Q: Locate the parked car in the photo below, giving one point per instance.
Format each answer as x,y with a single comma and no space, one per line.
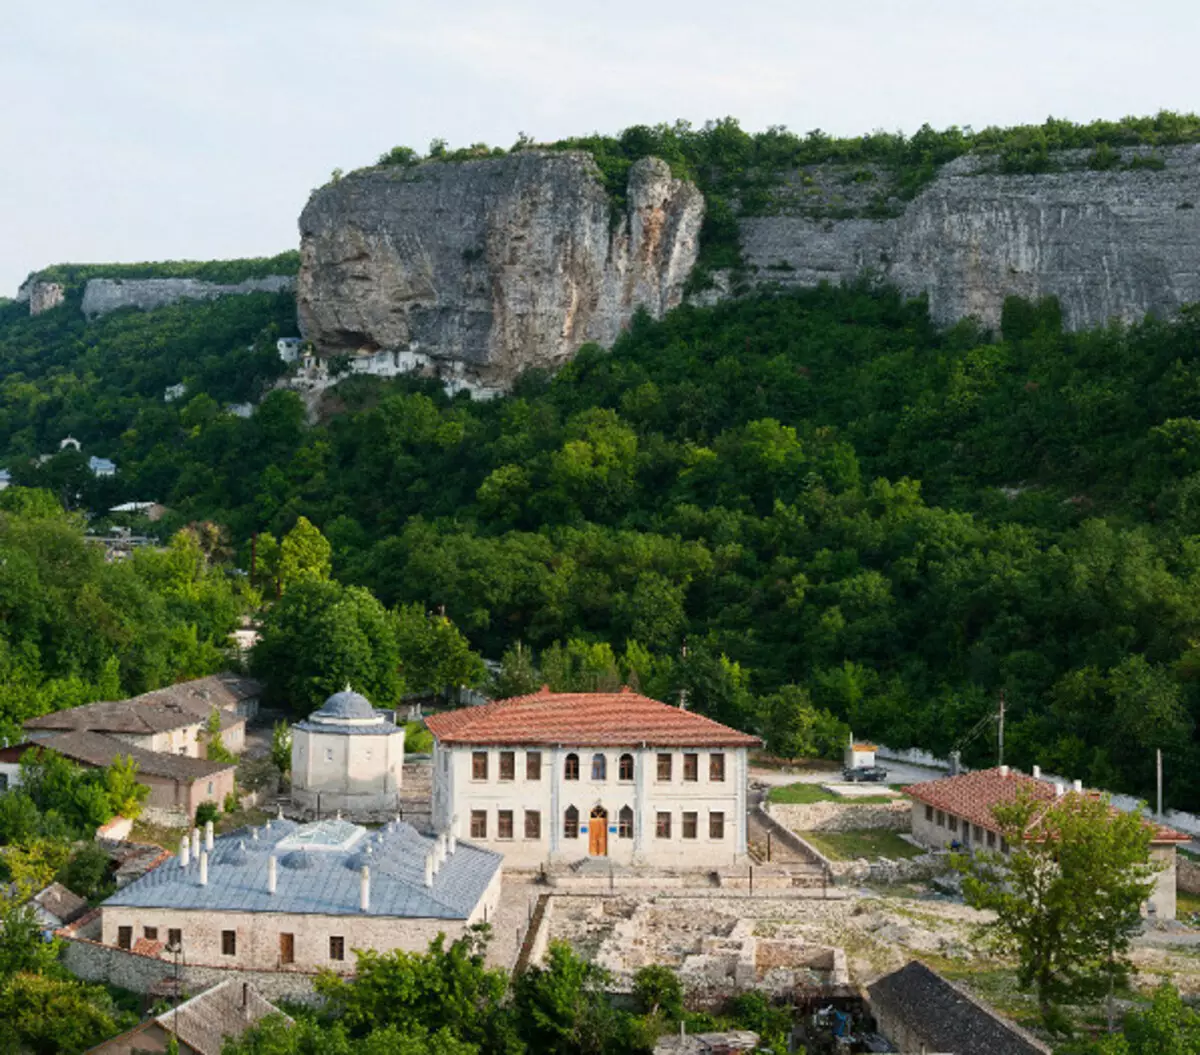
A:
864,774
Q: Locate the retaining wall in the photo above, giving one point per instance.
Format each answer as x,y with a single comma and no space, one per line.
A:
841,817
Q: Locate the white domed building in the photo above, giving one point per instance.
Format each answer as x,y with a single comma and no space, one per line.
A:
347,756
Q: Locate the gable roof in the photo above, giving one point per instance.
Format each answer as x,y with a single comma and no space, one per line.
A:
96,749
323,879
584,719
173,707
226,1010
946,1018
973,796
60,902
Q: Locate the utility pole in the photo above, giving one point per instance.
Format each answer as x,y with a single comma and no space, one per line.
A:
1158,765
683,691
1000,746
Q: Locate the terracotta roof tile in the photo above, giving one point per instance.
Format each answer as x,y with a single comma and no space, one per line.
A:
972,797
585,719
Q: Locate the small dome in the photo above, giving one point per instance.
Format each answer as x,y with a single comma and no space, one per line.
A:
297,860
346,704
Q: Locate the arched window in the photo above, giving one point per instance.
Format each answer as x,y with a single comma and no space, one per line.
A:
599,767
571,767
625,823
625,768
571,823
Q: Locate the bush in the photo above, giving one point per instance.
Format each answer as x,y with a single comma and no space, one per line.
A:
232,805
205,812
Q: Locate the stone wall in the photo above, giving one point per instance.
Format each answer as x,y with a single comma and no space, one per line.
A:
104,295
1187,874
491,266
1115,244
841,817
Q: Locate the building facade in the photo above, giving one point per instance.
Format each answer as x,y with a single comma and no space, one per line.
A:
559,777
304,897
955,813
347,756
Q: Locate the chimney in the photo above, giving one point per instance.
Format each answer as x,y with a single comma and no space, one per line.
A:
451,842
364,890
1079,787
441,849
208,836
254,834
1058,790
196,843
429,868
271,866
1037,772
204,868
267,826
1004,771
185,857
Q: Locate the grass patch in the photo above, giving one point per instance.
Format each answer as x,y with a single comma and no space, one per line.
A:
1186,904
145,832
867,842
804,794
417,739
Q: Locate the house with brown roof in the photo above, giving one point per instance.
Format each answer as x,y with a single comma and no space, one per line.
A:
958,813
171,720
563,777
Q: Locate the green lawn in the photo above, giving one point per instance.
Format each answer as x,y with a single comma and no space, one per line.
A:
1186,904
803,794
867,842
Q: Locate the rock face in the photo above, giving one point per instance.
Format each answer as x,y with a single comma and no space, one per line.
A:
1114,244
41,295
102,295
492,266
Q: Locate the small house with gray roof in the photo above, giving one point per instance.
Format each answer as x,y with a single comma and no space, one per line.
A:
347,756
294,897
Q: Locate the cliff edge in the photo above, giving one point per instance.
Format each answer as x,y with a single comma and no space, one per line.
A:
485,268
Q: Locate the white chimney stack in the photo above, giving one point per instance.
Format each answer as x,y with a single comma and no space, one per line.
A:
271,874
1037,772
1004,771
204,869
441,849
1079,786
196,843
185,856
429,868
254,834
208,836
451,842
1059,790
364,892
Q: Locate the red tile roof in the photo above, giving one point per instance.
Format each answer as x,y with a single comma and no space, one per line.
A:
972,796
584,719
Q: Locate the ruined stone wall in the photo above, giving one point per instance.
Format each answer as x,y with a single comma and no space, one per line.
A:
841,817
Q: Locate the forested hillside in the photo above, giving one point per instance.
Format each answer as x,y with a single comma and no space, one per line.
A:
818,489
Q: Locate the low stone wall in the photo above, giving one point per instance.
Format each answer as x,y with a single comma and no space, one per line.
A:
842,817
1187,875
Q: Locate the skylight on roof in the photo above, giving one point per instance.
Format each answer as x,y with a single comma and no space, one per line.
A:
322,835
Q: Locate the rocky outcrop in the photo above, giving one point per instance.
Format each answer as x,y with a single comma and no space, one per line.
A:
41,295
103,295
489,267
1109,244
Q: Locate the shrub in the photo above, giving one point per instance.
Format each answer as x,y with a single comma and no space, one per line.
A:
205,812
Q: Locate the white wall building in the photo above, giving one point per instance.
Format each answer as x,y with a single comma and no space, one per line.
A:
288,348
347,756
558,777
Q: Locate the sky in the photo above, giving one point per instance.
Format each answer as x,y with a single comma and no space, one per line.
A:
141,130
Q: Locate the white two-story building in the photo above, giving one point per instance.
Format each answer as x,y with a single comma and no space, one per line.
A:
557,777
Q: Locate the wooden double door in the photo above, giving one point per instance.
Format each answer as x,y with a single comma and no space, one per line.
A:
598,832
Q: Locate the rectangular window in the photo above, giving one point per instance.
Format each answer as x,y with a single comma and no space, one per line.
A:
124,937
716,768
287,948
479,765
337,947
210,787
175,938
716,826
929,814
664,768
329,754
533,765
504,824
533,824
229,943
479,824
941,819
508,765
953,825
691,768
150,933
978,836
991,840
662,826
689,825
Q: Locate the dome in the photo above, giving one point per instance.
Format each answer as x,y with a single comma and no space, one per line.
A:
346,704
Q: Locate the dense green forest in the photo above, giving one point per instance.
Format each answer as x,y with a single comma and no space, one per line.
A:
819,491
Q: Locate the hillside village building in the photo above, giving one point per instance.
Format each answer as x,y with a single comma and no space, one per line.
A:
561,777
294,897
347,756
956,812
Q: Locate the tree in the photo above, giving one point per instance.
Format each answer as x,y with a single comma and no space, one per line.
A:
215,750
304,554
794,728
126,795
518,676
88,873
434,654
657,990
49,1015
1068,896
281,747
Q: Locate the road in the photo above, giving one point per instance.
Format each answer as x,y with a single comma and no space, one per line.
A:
898,773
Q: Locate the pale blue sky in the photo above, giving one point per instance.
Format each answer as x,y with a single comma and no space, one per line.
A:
144,129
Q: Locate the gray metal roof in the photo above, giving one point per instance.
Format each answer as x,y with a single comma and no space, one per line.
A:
346,704
384,728
322,881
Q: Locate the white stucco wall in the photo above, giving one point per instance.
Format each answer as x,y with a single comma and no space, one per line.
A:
456,794
349,771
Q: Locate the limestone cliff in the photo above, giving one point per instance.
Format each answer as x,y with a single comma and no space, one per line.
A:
102,295
489,267
1111,244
